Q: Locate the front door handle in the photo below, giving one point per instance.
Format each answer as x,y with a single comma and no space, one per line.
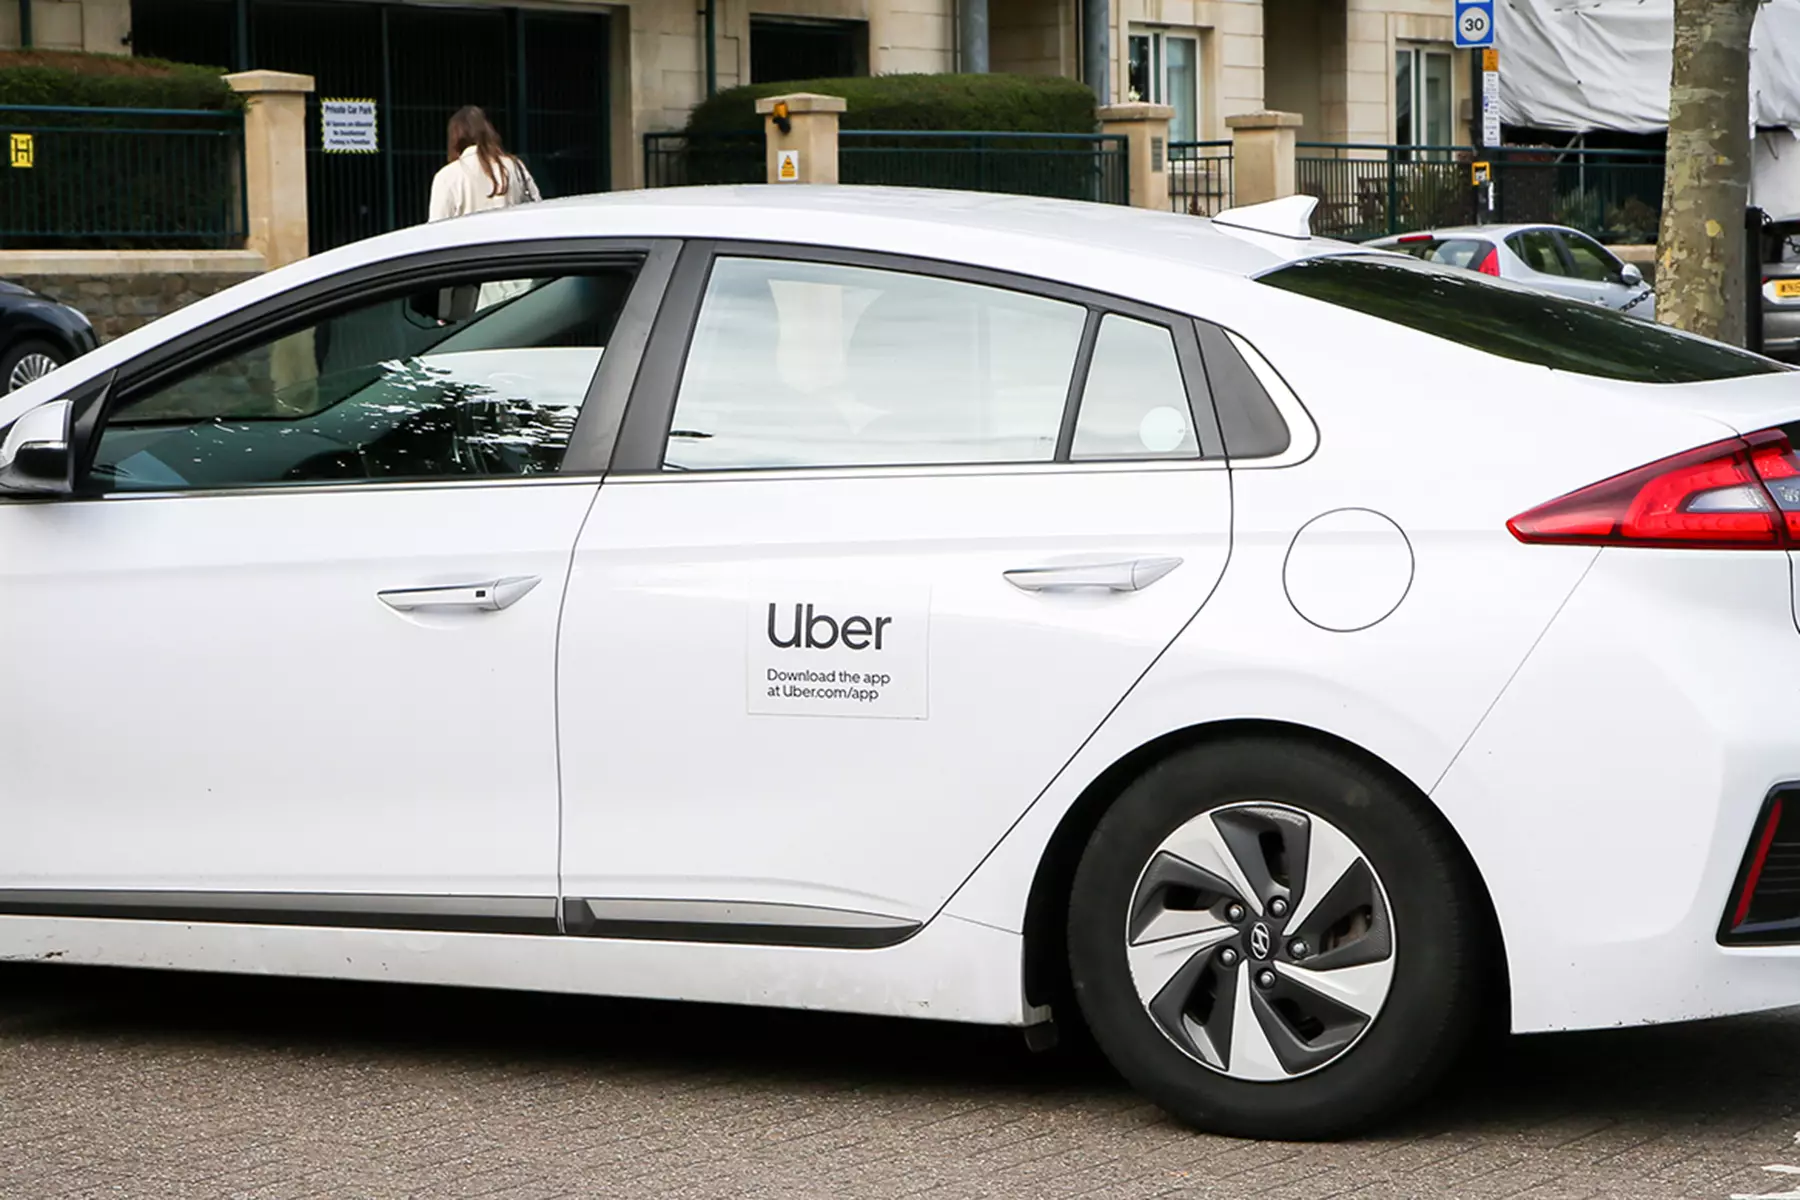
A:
1130,575
491,596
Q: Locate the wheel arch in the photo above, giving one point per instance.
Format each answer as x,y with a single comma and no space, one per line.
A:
1045,933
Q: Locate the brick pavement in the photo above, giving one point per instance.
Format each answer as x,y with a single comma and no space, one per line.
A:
119,1084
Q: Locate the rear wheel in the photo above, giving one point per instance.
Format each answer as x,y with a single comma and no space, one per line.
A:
1271,939
26,362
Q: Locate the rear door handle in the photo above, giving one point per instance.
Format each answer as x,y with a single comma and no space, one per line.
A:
1130,575
491,596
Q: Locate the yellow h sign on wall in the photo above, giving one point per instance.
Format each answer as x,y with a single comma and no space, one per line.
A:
24,150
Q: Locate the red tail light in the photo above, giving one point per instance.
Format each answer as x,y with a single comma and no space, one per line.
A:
1491,264
1739,494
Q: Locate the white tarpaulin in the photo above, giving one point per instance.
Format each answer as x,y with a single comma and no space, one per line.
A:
1604,64
1581,65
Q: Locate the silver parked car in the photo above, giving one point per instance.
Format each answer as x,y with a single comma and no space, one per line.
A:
1553,258
1781,288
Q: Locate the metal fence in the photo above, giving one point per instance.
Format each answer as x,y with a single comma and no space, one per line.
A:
679,160
1368,191
1071,166
122,178
1199,177
1612,195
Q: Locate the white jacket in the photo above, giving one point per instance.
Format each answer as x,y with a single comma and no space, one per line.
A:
462,187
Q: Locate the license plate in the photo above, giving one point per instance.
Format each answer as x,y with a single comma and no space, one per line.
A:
1787,289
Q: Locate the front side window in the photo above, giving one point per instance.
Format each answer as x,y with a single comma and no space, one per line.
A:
471,378
1537,247
797,364
1514,322
1590,259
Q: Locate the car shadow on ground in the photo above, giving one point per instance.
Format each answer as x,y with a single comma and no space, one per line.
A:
1742,1070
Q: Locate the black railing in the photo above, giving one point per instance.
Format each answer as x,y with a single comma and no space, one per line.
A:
122,178
680,160
1199,177
1368,191
1069,166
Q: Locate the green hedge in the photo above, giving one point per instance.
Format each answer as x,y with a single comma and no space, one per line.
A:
992,103
67,79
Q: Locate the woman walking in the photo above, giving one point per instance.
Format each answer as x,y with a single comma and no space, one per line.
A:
480,174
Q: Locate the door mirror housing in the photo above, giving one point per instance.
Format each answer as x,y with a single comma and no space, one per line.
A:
1630,276
444,306
36,455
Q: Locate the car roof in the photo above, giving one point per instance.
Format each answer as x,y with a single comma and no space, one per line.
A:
1483,232
875,217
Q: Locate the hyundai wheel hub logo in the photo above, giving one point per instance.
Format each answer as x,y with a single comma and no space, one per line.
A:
1259,940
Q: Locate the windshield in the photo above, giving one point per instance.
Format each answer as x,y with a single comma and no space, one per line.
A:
1515,322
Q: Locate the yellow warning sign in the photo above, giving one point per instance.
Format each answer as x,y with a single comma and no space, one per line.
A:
1490,59
24,150
1479,173
787,166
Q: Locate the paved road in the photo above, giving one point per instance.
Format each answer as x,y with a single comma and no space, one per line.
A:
122,1084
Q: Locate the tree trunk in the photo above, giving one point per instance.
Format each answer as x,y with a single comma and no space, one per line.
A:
1706,184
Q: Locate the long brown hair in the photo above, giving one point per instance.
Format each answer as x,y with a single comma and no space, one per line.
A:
470,127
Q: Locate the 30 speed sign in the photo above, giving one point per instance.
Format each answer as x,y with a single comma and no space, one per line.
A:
1475,23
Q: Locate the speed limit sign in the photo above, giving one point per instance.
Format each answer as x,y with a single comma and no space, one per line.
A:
1475,23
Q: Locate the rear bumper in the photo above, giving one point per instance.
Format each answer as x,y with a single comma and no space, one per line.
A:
1781,330
1610,796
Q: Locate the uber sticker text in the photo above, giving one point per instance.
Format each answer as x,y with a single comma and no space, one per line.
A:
838,653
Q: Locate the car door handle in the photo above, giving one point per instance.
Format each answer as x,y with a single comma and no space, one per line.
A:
491,596
1130,575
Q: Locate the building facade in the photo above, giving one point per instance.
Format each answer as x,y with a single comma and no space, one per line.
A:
578,84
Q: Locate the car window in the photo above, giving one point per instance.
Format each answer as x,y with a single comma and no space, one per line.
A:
482,378
1592,261
1537,247
798,364
1452,252
1134,403
1514,322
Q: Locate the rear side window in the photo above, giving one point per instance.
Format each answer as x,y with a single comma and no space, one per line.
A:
1514,322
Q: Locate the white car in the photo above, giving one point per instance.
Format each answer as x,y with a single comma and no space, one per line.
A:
1551,258
1280,657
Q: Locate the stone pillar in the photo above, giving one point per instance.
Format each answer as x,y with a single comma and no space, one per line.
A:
1262,156
811,136
275,163
1146,130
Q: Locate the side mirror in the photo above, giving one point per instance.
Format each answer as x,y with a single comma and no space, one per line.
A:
1630,276
445,305
35,456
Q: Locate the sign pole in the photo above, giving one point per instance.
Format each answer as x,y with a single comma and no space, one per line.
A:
1475,33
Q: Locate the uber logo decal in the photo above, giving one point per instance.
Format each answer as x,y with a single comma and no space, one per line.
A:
838,650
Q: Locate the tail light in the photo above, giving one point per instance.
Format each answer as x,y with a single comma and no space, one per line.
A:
1739,494
1490,265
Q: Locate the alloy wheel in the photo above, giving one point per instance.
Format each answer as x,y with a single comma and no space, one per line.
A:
1260,941
31,367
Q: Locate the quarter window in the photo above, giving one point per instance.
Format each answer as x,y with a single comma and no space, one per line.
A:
797,364
1134,404
473,378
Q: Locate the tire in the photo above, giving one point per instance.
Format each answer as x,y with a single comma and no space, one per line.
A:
24,361
1147,922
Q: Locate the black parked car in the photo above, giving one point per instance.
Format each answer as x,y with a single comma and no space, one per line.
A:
37,335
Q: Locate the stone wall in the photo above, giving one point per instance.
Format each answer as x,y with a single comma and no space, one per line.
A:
119,290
